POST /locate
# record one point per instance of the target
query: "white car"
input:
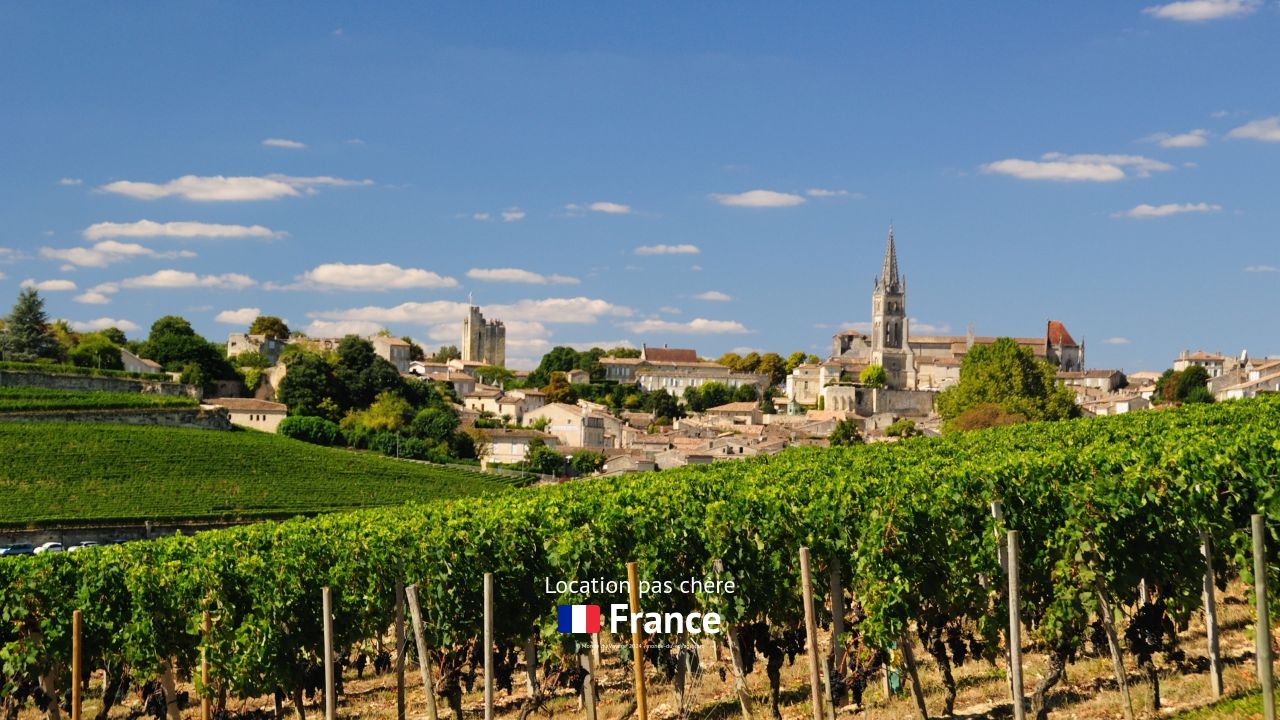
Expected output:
(49, 547)
(83, 545)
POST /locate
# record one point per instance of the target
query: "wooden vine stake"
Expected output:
(589, 684)
(1211, 616)
(834, 658)
(330, 700)
(1002, 556)
(206, 624)
(637, 653)
(424, 660)
(401, 649)
(909, 659)
(1015, 627)
(811, 634)
(488, 646)
(76, 667)
(1117, 663)
(1264, 619)
(735, 659)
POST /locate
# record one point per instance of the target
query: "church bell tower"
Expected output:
(889, 347)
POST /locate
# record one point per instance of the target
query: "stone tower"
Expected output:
(889, 347)
(483, 340)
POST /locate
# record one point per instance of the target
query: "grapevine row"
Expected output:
(1101, 506)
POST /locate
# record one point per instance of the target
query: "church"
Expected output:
(912, 362)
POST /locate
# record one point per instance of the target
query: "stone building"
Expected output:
(911, 362)
(483, 340)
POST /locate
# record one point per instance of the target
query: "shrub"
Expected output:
(315, 430)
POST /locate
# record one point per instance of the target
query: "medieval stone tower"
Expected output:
(483, 340)
(889, 347)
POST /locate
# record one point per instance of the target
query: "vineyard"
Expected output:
(25, 399)
(76, 370)
(905, 531)
(71, 474)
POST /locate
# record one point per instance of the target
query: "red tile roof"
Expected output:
(1058, 334)
(669, 354)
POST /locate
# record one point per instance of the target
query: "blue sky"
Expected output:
(714, 175)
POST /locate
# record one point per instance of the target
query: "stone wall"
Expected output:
(89, 383)
(204, 417)
(103, 533)
(902, 402)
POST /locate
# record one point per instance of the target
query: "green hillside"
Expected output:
(24, 399)
(70, 473)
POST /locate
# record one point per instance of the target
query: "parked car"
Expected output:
(83, 545)
(49, 547)
(17, 549)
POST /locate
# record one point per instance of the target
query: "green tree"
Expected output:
(794, 360)
(115, 335)
(663, 405)
(269, 325)
(27, 335)
(873, 376)
(1010, 377)
(388, 413)
(812, 360)
(558, 390)
(494, 375)
(251, 359)
(586, 462)
(730, 360)
(745, 393)
(311, 388)
(558, 359)
(415, 350)
(845, 433)
(363, 373)
(774, 366)
(445, 354)
(709, 395)
(175, 345)
(542, 459)
(1193, 386)
(902, 427)
(95, 350)
(623, 352)
(434, 423)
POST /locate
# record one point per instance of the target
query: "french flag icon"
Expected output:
(579, 619)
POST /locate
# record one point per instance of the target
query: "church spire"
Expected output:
(889, 278)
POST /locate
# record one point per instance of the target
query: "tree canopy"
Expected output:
(27, 335)
(269, 325)
(1010, 377)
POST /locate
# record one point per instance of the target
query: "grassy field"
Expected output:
(68, 474)
(24, 399)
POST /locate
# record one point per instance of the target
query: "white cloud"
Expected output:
(1201, 10)
(825, 193)
(49, 285)
(758, 199)
(150, 228)
(1145, 211)
(512, 214)
(180, 279)
(576, 310)
(667, 250)
(1266, 130)
(283, 143)
(384, 276)
(516, 275)
(341, 328)
(92, 297)
(107, 252)
(2, 276)
(1262, 269)
(70, 181)
(923, 328)
(219, 188)
(9, 255)
(713, 296)
(481, 216)
(103, 323)
(1077, 168)
(1192, 138)
(602, 344)
(697, 326)
(1116, 341)
(669, 310)
(243, 316)
(610, 207)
